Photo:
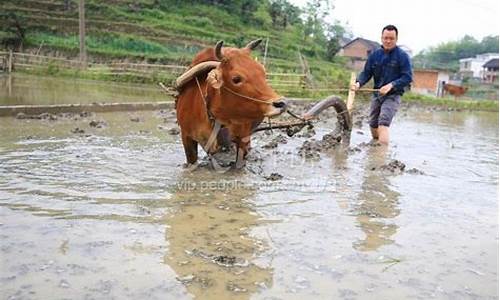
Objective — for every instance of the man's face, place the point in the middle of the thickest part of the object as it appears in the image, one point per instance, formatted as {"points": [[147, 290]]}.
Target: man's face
{"points": [[389, 39]]}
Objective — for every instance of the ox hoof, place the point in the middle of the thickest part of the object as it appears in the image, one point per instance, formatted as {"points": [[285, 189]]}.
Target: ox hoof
{"points": [[238, 165], [190, 167], [217, 167]]}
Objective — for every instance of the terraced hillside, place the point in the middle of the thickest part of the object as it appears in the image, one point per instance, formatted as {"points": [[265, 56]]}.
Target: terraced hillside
{"points": [[149, 31]]}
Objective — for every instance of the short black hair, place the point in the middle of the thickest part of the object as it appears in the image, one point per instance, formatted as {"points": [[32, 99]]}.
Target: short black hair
{"points": [[390, 28]]}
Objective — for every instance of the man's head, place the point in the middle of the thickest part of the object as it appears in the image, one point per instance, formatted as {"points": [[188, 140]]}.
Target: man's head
{"points": [[389, 37]]}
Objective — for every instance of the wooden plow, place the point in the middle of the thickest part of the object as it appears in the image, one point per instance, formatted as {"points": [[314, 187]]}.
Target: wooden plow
{"points": [[343, 110]]}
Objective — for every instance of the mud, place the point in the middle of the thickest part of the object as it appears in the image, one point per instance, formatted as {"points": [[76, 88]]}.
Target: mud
{"points": [[136, 119], [279, 139], [274, 177], [174, 131], [77, 130], [393, 166], [311, 149], [54, 117], [397, 167], [98, 123], [110, 213]]}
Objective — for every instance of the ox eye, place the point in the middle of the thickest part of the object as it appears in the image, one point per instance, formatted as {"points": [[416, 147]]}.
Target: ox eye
{"points": [[237, 79]]}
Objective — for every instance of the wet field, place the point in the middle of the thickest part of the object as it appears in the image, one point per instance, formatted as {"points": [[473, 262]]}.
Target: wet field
{"points": [[99, 206], [24, 89]]}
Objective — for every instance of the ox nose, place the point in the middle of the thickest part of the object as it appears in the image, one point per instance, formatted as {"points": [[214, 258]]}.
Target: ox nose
{"points": [[279, 104]]}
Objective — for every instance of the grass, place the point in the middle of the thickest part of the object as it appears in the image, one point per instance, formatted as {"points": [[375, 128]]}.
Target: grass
{"points": [[107, 44], [465, 104], [446, 102]]}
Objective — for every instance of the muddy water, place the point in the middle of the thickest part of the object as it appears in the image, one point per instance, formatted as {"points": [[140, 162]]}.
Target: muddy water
{"points": [[22, 89], [109, 213]]}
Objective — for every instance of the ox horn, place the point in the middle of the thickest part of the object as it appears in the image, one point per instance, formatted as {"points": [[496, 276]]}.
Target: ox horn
{"points": [[218, 50], [253, 44], [194, 71]]}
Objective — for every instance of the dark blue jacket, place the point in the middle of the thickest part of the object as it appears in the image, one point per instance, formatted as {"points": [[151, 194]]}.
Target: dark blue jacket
{"points": [[394, 66]]}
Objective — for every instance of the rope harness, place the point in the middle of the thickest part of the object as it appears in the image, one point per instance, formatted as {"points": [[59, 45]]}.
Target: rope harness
{"points": [[216, 124], [268, 102]]}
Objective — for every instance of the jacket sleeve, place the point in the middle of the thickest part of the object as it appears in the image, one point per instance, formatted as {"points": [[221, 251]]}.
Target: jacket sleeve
{"points": [[406, 74], [366, 74]]}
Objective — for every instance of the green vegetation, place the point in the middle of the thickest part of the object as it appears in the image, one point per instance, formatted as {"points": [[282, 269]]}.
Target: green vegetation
{"points": [[449, 102], [173, 31], [109, 45], [171, 27], [445, 102], [446, 55]]}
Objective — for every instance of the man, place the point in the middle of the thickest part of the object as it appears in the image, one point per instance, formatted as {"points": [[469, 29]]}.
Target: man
{"points": [[391, 70]]}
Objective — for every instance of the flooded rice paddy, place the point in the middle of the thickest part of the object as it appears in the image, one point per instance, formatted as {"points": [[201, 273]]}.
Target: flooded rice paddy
{"points": [[99, 206], [23, 89]]}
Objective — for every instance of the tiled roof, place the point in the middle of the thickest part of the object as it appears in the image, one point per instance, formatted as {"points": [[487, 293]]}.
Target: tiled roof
{"points": [[492, 63], [373, 45]]}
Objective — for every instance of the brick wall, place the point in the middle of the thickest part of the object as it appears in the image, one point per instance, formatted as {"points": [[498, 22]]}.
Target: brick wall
{"points": [[425, 81], [356, 49]]}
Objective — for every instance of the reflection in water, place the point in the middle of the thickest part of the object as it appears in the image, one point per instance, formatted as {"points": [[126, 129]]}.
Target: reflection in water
{"points": [[23, 89], [210, 249], [377, 203]]}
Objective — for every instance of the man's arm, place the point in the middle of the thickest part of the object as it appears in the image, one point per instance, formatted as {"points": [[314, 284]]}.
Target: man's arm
{"points": [[406, 73], [366, 74]]}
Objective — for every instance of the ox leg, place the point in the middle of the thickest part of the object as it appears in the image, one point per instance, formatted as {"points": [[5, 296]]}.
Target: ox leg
{"points": [[240, 158], [242, 146], [224, 139], [190, 149]]}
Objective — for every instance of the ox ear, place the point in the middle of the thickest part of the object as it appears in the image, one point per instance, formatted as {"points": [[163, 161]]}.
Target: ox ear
{"points": [[214, 78], [253, 44]]}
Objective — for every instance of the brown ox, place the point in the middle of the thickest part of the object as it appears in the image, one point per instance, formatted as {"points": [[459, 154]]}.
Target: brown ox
{"points": [[233, 94], [454, 90]]}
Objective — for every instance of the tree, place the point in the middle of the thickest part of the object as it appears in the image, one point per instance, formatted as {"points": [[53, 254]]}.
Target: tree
{"points": [[283, 13], [14, 33], [446, 55], [326, 34], [315, 23], [489, 44], [335, 33]]}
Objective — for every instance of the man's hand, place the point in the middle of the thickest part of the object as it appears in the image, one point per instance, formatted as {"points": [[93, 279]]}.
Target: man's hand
{"points": [[385, 89], [355, 86]]}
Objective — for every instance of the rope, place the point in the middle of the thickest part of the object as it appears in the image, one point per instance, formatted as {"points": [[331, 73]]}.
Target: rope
{"points": [[294, 115], [170, 91], [204, 98], [347, 90], [249, 98]]}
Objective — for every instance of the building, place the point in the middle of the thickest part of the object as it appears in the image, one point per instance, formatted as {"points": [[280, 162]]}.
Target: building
{"points": [[428, 82], [357, 52], [490, 71], [473, 66]]}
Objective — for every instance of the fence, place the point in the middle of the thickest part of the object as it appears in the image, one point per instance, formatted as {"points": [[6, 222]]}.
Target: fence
{"points": [[17, 61], [11, 61]]}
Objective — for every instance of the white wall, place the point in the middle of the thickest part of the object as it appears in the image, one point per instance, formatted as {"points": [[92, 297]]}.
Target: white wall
{"points": [[476, 63]]}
